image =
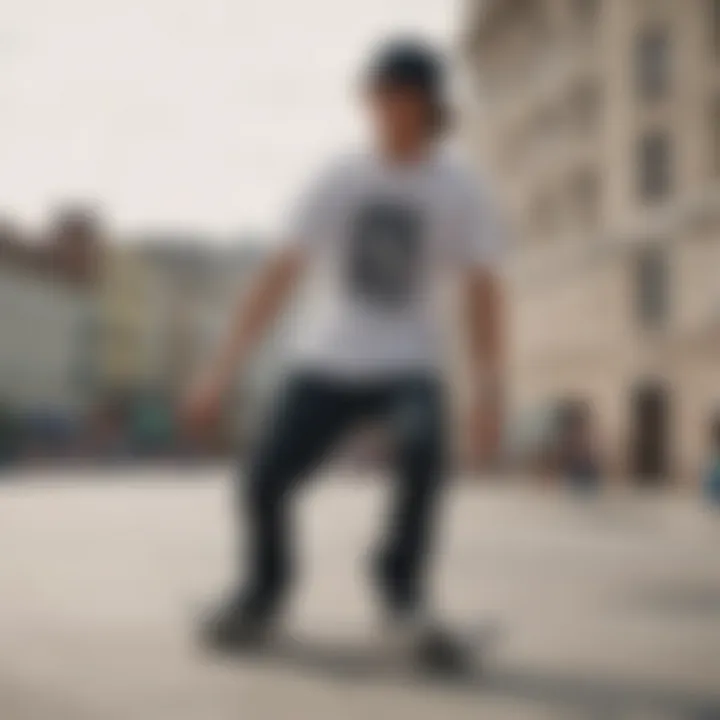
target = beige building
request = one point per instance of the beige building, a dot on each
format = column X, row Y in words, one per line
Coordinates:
column 600, row 122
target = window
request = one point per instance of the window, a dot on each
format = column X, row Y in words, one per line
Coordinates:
column 715, row 136
column 654, row 166
column 652, row 64
column 652, row 287
column 714, row 25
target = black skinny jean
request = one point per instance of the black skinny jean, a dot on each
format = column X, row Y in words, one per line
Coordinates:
column 310, row 416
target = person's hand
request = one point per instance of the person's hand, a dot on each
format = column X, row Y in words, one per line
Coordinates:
column 483, row 433
column 202, row 405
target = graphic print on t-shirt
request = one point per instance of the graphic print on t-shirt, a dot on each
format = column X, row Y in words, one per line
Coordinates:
column 384, row 253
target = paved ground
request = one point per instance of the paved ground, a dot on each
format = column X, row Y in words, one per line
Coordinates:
column 605, row 611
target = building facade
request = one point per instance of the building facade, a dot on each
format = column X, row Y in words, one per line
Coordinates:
column 599, row 120
column 47, row 295
column 134, row 315
column 196, row 284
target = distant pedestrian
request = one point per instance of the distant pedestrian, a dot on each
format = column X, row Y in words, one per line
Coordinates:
column 580, row 464
column 10, row 436
column 711, row 480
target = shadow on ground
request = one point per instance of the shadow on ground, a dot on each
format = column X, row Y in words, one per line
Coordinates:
column 677, row 601
column 586, row 697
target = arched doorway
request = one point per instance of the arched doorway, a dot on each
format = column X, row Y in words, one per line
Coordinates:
column 650, row 448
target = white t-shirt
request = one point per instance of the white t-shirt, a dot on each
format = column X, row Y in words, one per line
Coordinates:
column 379, row 237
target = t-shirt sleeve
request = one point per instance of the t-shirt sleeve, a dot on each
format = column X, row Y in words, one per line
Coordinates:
column 309, row 212
column 481, row 237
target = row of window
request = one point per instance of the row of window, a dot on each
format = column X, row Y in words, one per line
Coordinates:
column 655, row 158
column 655, row 169
column 653, row 76
column 653, row 47
column 654, row 164
column 654, row 178
column 653, row 55
column 581, row 112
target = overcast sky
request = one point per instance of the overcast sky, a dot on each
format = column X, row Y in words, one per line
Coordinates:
column 198, row 114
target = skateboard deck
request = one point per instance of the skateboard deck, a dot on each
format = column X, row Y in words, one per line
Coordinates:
column 369, row 655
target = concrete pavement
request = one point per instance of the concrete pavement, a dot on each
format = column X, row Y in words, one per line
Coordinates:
column 605, row 610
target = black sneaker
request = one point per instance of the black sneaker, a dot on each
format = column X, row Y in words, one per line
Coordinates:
column 236, row 626
column 427, row 643
column 440, row 652
column 412, row 630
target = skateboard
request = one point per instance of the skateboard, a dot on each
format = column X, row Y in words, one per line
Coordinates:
column 453, row 653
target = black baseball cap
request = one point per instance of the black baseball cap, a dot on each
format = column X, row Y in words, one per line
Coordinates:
column 413, row 63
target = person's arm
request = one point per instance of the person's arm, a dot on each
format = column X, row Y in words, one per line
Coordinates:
column 255, row 313
column 482, row 319
column 480, row 248
column 251, row 318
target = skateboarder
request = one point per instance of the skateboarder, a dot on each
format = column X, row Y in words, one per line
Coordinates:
column 374, row 235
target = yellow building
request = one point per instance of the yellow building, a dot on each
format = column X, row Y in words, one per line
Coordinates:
column 600, row 121
column 133, row 322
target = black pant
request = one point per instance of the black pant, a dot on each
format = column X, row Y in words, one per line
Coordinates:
column 310, row 416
